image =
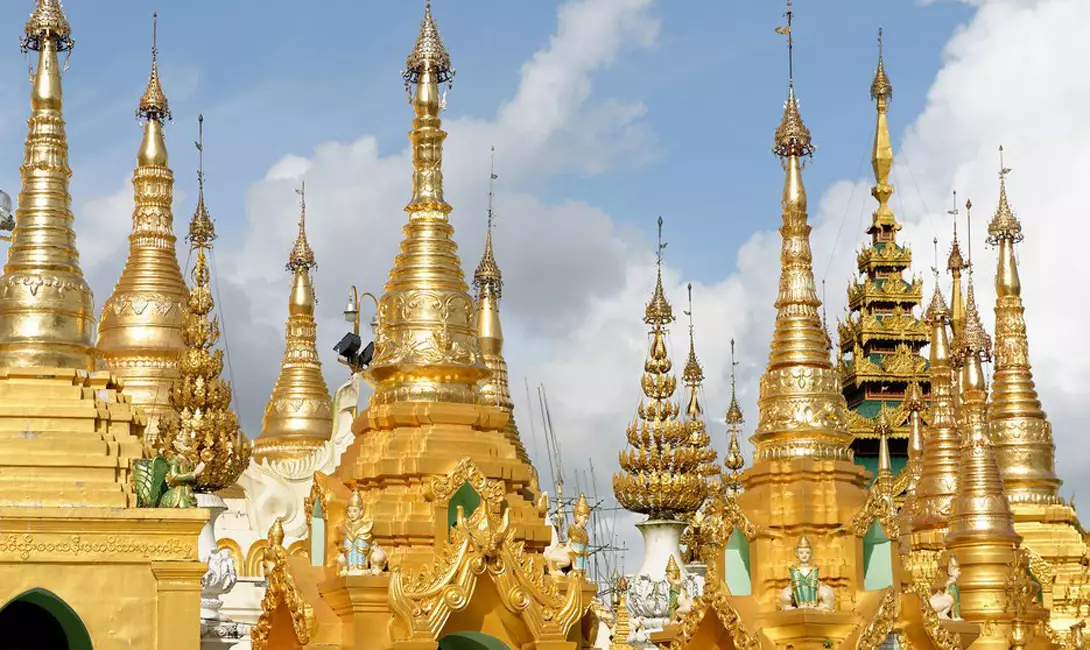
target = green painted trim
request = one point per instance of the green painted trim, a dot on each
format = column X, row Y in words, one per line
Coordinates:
column 471, row 641
column 877, row 559
column 736, row 563
column 466, row 497
column 74, row 629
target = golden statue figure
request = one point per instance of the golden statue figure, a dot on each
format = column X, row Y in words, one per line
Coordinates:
column 806, row 591
column 946, row 601
column 360, row 555
column 572, row 555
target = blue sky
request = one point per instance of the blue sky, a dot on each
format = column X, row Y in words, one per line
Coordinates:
column 280, row 77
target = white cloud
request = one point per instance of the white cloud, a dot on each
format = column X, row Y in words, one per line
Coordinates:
column 1006, row 79
column 577, row 327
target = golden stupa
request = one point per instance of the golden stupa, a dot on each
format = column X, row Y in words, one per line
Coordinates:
column 430, row 531
column 299, row 414
column 69, row 434
column 945, row 570
column 140, row 334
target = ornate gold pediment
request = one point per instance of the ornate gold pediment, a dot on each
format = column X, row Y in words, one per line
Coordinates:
column 718, row 603
column 482, row 545
column 281, row 591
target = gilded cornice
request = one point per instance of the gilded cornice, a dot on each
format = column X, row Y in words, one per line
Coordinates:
column 903, row 365
column 866, row 293
column 140, row 331
column 884, row 256
column 47, row 315
column 864, row 328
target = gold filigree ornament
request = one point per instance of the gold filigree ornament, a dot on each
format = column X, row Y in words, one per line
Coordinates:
column 203, row 427
column 880, row 627
column 483, row 544
column 718, row 603
column 281, row 591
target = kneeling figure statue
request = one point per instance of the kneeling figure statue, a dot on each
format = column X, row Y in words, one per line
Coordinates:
column 360, row 555
column 946, row 601
column 806, row 591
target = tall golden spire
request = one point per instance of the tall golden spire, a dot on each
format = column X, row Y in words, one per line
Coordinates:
column 46, row 308
column 1021, row 432
column 734, row 460
column 693, row 378
column 299, row 414
column 140, row 333
column 426, row 347
column 955, row 264
column 937, row 485
column 660, row 475
column 202, row 425
column 981, row 531
column 489, row 284
column 798, row 418
column 880, row 341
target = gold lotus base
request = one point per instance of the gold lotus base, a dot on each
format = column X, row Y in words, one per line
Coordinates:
column 131, row 577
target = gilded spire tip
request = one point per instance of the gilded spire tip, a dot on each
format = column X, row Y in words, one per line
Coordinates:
column 428, row 53
column 201, row 229
column 47, row 23
column 488, row 275
column 153, row 103
column 658, row 311
column 1004, row 224
column 792, row 137
column 734, row 412
column 955, row 262
column 883, row 429
column 692, row 374
column 881, row 87
column 302, row 255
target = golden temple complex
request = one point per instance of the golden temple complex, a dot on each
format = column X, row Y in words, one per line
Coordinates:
column 892, row 501
column 881, row 338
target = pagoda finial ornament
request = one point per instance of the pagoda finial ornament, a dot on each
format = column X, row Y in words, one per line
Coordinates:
column 153, row 104
column 1021, row 432
column 299, row 414
column 140, row 331
column 432, row 353
column 799, row 340
column 660, row 475
column 47, row 315
column 202, row 426
column 488, row 280
column 881, row 88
